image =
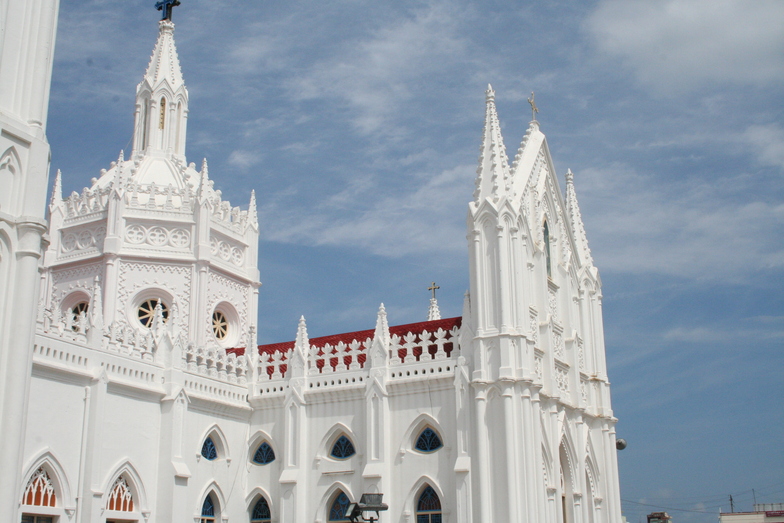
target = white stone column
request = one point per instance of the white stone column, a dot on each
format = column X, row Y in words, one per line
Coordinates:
column 510, row 443
column 483, row 454
column 16, row 337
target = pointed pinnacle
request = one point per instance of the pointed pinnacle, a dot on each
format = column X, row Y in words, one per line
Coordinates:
column 569, row 177
column 382, row 326
column 490, row 94
column 57, row 190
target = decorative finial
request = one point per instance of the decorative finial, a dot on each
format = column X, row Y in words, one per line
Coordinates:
column 569, row 176
column 166, row 6
column 433, row 313
column 534, row 109
column 490, row 94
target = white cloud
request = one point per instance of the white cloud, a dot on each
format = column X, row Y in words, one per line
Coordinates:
column 769, row 142
column 398, row 224
column 244, row 158
column 688, row 228
column 375, row 75
column 682, row 44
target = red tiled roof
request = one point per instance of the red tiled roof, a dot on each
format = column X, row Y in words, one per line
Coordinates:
column 361, row 336
column 348, row 337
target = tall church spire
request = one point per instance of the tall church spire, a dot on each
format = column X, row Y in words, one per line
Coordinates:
column 492, row 175
column 162, row 100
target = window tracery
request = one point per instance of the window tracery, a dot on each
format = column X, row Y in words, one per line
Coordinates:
column 208, row 510
column 428, row 441
column 343, row 448
column 208, row 449
column 428, row 507
column 121, row 497
column 40, row 490
column 337, row 511
column 264, row 454
column 261, row 512
column 146, row 311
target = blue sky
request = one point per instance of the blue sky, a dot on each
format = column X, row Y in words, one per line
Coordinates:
column 358, row 124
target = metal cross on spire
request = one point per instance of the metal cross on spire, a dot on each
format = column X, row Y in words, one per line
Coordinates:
column 534, row 109
column 433, row 287
column 166, row 6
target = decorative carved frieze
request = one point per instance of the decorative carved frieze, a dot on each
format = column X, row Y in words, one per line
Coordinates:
column 81, row 239
column 158, row 236
column 227, row 251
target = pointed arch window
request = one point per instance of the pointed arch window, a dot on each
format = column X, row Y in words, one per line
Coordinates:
column 343, row 448
column 261, row 512
column 121, row 497
column 208, row 449
column 337, row 511
column 428, row 507
column 428, row 441
column 40, row 490
column 208, row 510
column 546, row 235
column 162, row 119
column 264, row 454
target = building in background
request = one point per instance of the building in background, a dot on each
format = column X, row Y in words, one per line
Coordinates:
column 659, row 517
column 763, row 513
column 151, row 401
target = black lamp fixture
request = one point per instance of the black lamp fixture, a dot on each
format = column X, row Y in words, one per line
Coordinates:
column 367, row 503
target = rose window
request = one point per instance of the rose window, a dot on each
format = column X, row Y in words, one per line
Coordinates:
column 220, row 325
column 146, row 311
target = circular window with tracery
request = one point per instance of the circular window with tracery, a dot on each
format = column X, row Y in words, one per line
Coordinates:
column 146, row 311
column 76, row 313
column 220, row 325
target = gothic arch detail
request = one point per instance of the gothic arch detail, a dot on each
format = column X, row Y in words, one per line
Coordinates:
column 215, row 434
column 10, row 167
column 59, row 481
column 125, row 478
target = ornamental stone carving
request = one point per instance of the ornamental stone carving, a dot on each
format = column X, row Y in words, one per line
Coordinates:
column 75, row 240
column 562, row 379
column 227, row 251
column 157, row 236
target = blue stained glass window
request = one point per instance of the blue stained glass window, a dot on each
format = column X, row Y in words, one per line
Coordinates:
column 343, row 448
column 428, row 507
column 208, row 508
column 261, row 512
column 338, row 510
column 264, row 454
column 208, row 450
column 428, row 441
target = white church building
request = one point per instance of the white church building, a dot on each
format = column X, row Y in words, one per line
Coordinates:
column 141, row 394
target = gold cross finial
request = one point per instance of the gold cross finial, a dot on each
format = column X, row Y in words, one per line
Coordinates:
column 433, row 288
column 534, row 109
